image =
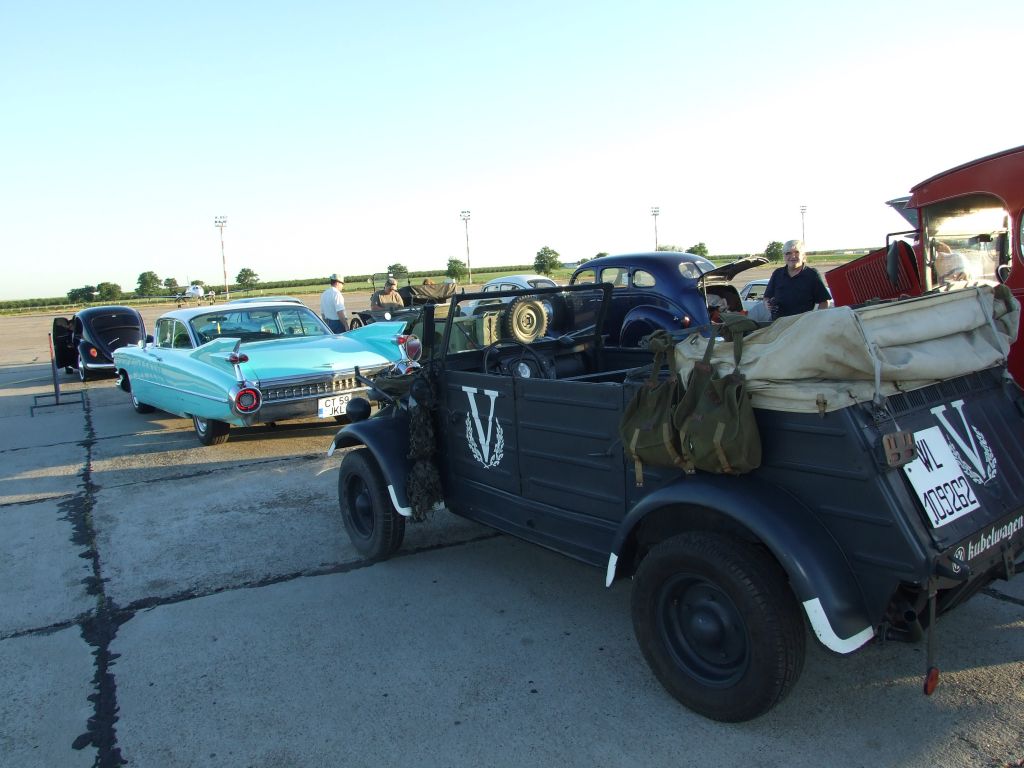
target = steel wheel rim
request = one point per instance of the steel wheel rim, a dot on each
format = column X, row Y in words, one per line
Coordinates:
column 527, row 321
column 703, row 630
column 201, row 425
column 81, row 367
column 360, row 506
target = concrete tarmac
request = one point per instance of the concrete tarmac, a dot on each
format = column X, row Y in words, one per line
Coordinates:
column 169, row 604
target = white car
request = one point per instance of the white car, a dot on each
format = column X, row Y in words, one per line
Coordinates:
column 753, row 292
column 507, row 283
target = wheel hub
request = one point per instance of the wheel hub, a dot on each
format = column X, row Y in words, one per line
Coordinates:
column 704, row 630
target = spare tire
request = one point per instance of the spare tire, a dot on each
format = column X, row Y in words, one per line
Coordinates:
column 525, row 320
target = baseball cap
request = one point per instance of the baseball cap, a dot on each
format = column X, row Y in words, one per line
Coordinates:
column 336, row 278
column 392, row 281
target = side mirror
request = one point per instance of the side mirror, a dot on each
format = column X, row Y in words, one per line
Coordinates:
column 146, row 341
column 892, row 263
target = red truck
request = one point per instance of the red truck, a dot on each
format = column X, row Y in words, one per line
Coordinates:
column 968, row 226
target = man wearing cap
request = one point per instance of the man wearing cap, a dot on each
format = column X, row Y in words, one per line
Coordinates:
column 332, row 305
column 387, row 297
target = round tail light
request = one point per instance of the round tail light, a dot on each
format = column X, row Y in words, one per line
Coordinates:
column 247, row 400
column 93, row 353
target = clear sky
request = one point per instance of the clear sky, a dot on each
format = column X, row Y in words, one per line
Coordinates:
column 343, row 137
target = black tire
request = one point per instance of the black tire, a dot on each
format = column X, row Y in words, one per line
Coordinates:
column 354, row 323
column 83, row 375
column 141, row 407
column 210, row 431
column 525, row 320
column 373, row 525
column 718, row 625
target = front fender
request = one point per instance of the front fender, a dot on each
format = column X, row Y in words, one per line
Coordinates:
column 816, row 565
column 386, row 435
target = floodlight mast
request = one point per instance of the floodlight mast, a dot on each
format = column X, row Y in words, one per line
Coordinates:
column 220, row 222
column 464, row 215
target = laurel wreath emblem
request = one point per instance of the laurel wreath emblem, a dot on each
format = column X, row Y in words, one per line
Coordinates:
column 991, row 468
column 499, row 444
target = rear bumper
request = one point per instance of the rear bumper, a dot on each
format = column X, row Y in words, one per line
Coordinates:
column 302, row 408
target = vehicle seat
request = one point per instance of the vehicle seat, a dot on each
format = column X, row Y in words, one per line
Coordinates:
column 182, row 341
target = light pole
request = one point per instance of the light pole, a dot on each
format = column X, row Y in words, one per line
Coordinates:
column 803, row 232
column 464, row 215
column 655, row 210
column 220, row 222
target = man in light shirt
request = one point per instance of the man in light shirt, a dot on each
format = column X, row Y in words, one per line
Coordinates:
column 332, row 305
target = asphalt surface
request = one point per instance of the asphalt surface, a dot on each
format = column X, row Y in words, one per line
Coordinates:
column 169, row 604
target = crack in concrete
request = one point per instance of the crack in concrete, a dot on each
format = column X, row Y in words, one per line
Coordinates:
column 99, row 628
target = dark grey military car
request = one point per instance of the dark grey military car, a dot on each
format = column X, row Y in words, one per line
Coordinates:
column 831, row 533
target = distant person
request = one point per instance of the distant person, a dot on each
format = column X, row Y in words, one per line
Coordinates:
column 387, row 297
column 332, row 305
column 795, row 288
column 428, row 281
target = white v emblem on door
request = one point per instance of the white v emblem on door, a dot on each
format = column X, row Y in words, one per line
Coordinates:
column 483, row 436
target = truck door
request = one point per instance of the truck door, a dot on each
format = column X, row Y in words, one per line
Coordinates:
column 569, row 452
column 481, row 449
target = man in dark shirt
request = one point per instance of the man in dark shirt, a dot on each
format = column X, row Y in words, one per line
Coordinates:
column 795, row 288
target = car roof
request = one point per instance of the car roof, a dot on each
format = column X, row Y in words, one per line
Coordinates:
column 107, row 309
column 265, row 300
column 664, row 259
column 187, row 313
column 524, row 278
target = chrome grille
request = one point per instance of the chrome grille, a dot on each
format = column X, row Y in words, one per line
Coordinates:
column 301, row 388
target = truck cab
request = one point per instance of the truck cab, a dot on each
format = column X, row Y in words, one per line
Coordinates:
column 968, row 226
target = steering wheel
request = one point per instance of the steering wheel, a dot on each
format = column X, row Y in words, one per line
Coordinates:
column 516, row 368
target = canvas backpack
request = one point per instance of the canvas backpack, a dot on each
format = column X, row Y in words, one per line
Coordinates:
column 715, row 419
column 646, row 429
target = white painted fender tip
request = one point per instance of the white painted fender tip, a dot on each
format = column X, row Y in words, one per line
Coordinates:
column 823, row 629
column 609, row 576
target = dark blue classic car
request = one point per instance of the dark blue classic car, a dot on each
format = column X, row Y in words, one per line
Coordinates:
column 86, row 341
column 666, row 290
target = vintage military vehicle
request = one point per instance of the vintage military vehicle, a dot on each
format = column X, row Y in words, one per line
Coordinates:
column 889, row 491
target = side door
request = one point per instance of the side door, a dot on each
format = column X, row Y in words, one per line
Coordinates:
column 481, row 453
column 64, row 351
column 570, row 455
column 163, row 361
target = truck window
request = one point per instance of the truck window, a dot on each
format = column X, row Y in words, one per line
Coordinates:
column 962, row 238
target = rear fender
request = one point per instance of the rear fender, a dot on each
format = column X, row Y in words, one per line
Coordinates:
column 818, row 571
column 642, row 320
column 386, row 435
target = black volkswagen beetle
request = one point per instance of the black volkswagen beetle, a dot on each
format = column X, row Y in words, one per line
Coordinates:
column 86, row 341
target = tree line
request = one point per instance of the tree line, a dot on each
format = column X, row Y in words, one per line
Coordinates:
column 149, row 283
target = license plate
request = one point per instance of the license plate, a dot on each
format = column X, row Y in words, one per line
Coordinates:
column 942, row 489
column 329, row 407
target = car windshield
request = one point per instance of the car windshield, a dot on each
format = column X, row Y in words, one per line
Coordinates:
column 257, row 324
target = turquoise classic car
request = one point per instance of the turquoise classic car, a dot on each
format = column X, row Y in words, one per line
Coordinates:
column 253, row 362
